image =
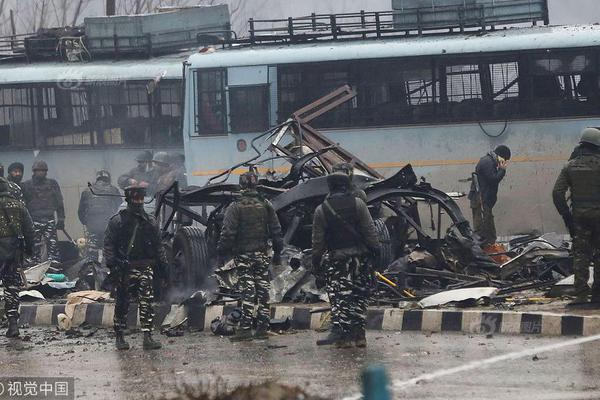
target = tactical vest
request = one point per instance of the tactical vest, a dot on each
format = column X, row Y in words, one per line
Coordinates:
column 253, row 230
column 337, row 235
column 42, row 200
column 102, row 206
column 584, row 177
column 13, row 227
column 145, row 245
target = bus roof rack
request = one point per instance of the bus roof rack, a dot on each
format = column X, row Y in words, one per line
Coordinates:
column 408, row 17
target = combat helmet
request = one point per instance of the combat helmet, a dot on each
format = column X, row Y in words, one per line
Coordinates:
column 39, row 165
column 161, row 158
column 338, row 181
column 144, row 156
column 248, row 180
column 590, row 135
column 344, row 167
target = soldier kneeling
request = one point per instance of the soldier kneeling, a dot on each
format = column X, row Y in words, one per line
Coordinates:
column 132, row 248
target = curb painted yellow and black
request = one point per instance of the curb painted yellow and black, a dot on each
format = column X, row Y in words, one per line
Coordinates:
column 385, row 319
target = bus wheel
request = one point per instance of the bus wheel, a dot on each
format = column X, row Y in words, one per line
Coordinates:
column 190, row 258
column 386, row 255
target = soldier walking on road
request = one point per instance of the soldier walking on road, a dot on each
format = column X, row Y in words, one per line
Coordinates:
column 489, row 172
column 96, row 209
column 44, row 201
column 132, row 248
column 16, row 238
column 248, row 225
column 344, row 231
column 581, row 176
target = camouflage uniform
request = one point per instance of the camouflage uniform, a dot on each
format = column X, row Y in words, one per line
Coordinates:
column 581, row 176
column 248, row 225
column 95, row 212
column 43, row 199
column 19, row 224
column 343, row 227
column 131, row 254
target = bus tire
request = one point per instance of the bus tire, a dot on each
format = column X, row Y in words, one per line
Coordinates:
column 386, row 254
column 191, row 260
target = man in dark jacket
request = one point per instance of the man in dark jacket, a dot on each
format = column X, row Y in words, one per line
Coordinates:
column 44, row 201
column 132, row 249
column 581, row 176
column 96, row 209
column 16, row 239
column 141, row 175
column 489, row 172
column 345, row 231
column 248, row 225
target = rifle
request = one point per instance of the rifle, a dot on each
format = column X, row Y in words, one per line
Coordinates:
column 477, row 190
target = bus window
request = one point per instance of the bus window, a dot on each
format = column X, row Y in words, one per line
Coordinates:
column 563, row 83
column 249, row 107
column 16, row 117
column 464, row 92
column 303, row 84
column 211, row 106
column 504, row 78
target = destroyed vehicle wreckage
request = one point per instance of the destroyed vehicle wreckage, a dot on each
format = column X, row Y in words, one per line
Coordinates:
column 411, row 218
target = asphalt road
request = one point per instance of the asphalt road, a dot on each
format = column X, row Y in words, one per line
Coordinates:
column 457, row 363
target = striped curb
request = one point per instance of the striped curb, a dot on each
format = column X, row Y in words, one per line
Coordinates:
column 384, row 319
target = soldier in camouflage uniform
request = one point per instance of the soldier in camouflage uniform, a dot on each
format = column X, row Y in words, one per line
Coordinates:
column 132, row 248
column 96, row 209
column 249, row 223
column 44, row 201
column 581, row 176
column 344, row 229
column 141, row 175
column 16, row 237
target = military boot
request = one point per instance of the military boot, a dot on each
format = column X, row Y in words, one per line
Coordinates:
column 346, row 341
column 149, row 343
column 120, row 342
column 334, row 336
column 261, row 333
column 581, row 298
column 360, row 338
column 13, row 328
column 242, row 335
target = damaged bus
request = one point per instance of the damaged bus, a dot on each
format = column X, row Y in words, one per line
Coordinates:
column 438, row 101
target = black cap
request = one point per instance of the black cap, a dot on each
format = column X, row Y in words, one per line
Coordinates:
column 16, row 165
column 503, row 151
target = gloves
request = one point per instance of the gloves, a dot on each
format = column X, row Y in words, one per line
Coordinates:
column 220, row 261
column 316, row 271
column 277, row 259
column 568, row 219
column 319, row 282
column 60, row 224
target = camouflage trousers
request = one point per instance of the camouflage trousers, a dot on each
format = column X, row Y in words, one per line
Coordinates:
column 483, row 223
column 12, row 283
column 348, row 291
column 586, row 249
column 253, row 286
column 94, row 243
column 137, row 282
column 45, row 232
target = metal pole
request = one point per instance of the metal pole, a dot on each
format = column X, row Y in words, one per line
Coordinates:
column 375, row 383
column 110, row 7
